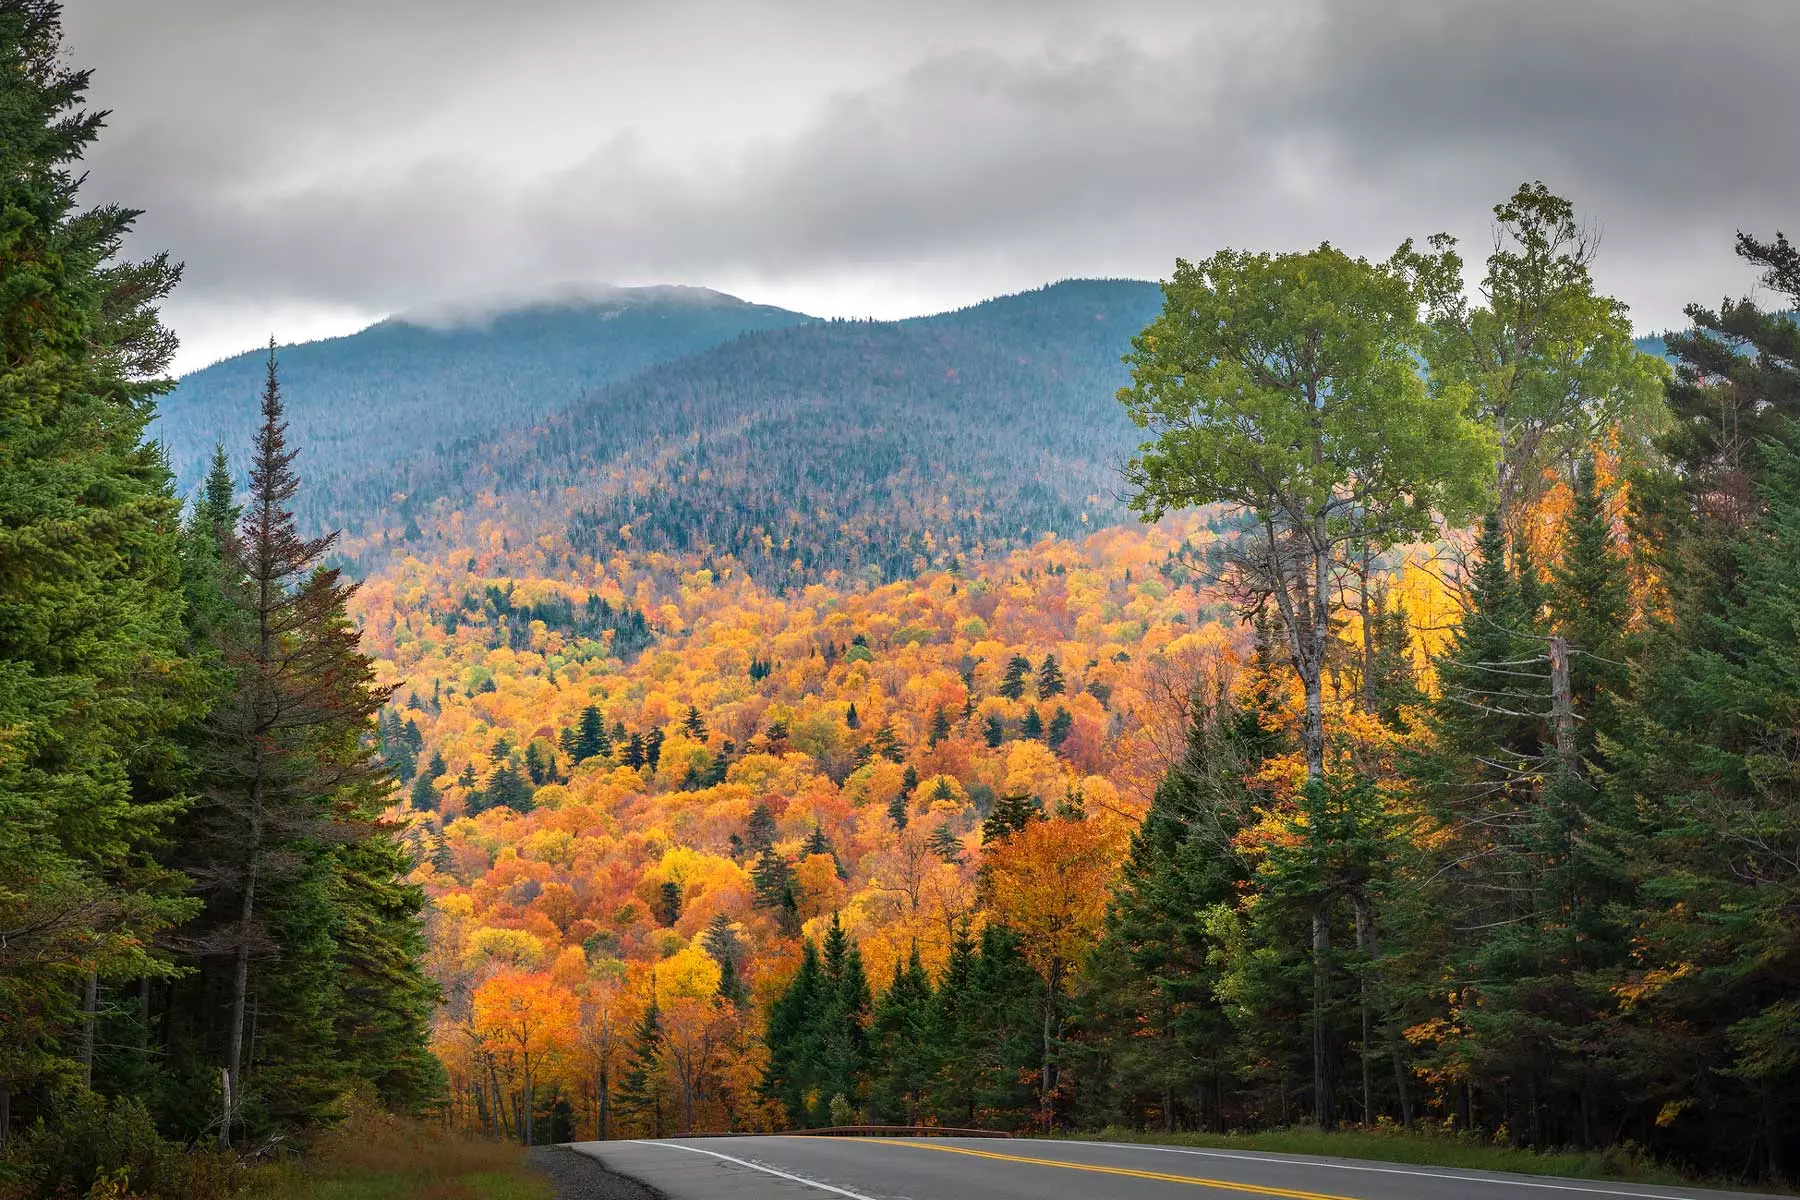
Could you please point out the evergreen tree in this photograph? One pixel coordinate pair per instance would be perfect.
(93, 676)
(424, 795)
(1011, 813)
(794, 1039)
(1050, 679)
(642, 1086)
(669, 902)
(289, 774)
(1060, 726)
(591, 740)
(506, 788)
(773, 878)
(946, 845)
(653, 744)
(940, 727)
(694, 725)
(636, 755)
(995, 731)
(1012, 684)
(901, 1048)
(721, 941)
(897, 808)
(760, 830)
(842, 1021)
(1032, 726)
(851, 720)
(887, 743)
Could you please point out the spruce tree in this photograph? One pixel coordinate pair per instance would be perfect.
(1050, 679)
(641, 1089)
(794, 1039)
(1012, 684)
(289, 771)
(591, 740)
(901, 1048)
(93, 673)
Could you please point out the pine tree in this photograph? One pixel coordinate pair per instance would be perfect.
(641, 1088)
(694, 725)
(995, 731)
(1032, 726)
(721, 941)
(590, 736)
(1060, 726)
(897, 808)
(635, 753)
(1012, 684)
(1011, 813)
(851, 719)
(900, 1045)
(940, 727)
(843, 1024)
(93, 674)
(760, 830)
(653, 744)
(794, 1039)
(1050, 679)
(669, 902)
(887, 743)
(506, 788)
(285, 754)
(946, 845)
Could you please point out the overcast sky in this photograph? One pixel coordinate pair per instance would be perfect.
(321, 163)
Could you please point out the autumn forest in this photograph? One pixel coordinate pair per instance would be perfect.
(1320, 691)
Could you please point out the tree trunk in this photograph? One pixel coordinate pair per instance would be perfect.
(1365, 929)
(1368, 634)
(530, 1102)
(604, 1121)
(1324, 1103)
(90, 1004)
(5, 1110)
(240, 988)
(1049, 1071)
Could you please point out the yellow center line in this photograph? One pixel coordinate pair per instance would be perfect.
(1224, 1185)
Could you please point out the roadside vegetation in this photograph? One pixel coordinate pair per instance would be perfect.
(1414, 1147)
(375, 1156)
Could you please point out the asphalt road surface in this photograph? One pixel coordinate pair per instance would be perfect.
(811, 1168)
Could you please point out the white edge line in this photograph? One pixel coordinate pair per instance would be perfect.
(813, 1183)
(1508, 1181)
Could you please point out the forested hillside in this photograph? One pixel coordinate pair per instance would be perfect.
(797, 731)
(834, 450)
(411, 384)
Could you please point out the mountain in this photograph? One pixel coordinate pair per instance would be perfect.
(821, 449)
(407, 385)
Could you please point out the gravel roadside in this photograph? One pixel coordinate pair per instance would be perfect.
(578, 1177)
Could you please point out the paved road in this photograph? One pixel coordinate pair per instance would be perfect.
(811, 1168)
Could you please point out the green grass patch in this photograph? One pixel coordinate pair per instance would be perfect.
(374, 1157)
(1417, 1148)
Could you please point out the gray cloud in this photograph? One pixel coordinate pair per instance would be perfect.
(317, 157)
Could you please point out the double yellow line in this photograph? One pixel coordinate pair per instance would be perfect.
(1223, 1185)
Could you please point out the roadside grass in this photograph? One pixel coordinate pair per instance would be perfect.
(1423, 1149)
(377, 1157)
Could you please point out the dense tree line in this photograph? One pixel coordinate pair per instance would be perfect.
(1543, 892)
(206, 933)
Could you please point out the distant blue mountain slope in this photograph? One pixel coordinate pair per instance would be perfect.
(358, 404)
